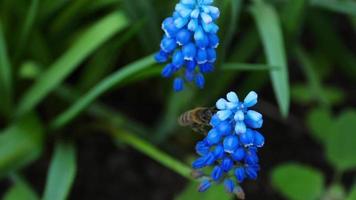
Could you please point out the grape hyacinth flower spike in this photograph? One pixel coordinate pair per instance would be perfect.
(230, 147)
(189, 42)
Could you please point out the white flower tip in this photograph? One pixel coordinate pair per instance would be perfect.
(240, 128)
(221, 104)
(223, 114)
(239, 116)
(251, 99)
(232, 97)
(254, 115)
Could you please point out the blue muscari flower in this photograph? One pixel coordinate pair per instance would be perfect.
(189, 41)
(204, 186)
(230, 147)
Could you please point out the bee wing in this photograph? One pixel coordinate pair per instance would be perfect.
(201, 129)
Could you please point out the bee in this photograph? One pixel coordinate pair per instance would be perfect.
(198, 118)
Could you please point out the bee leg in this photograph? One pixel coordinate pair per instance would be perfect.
(199, 129)
(195, 128)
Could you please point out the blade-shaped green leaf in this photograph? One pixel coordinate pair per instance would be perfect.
(21, 190)
(298, 182)
(104, 60)
(26, 29)
(5, 75)
(331, 45)
(213, 193)
(71, 12)
(81, 49)
(20, 144)
(271, 34)
(344, 6)
(144, 9)
(228, 23)
(247, 67)
(61, 172)
(292, 16)
(100, 88)
(174, 108)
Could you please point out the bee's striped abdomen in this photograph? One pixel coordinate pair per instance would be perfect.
(186, 119)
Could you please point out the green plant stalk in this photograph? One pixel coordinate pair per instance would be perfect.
(133, 140)
(312, 77)
(5, 76)
(28, 24)
(104, 60)
(152, 152)
(74, 9)
(247, 67)
(99, 89)
(344, 7)
(235, 11)
(20, 189)
(99, 110)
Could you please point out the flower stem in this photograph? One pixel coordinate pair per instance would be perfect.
(152, 152)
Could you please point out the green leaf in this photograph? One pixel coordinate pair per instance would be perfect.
(298, 182)
(320, 121)
(104, 60)
(102, 111)
(213, 193)
(52, 7)
(173, 109)
(292, 16)
(20, 144)
(5, 76)
(26, 28)
(61, 172)
(247, 67)
(70, 13)
(106, 84)
(228, 24)
(311, 76)
(352, 194)
(344, 6)
(81, 49)
(331, 44)
(20, 191)
(270, 31)
(340, 147)
(301, 94)
(144, 9)
(153, 71)
(29, 70)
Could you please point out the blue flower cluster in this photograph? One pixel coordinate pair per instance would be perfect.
(190, 41)
(232, 143)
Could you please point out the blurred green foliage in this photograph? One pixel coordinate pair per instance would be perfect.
(190, 192)
(298, 182)
(57, 58)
